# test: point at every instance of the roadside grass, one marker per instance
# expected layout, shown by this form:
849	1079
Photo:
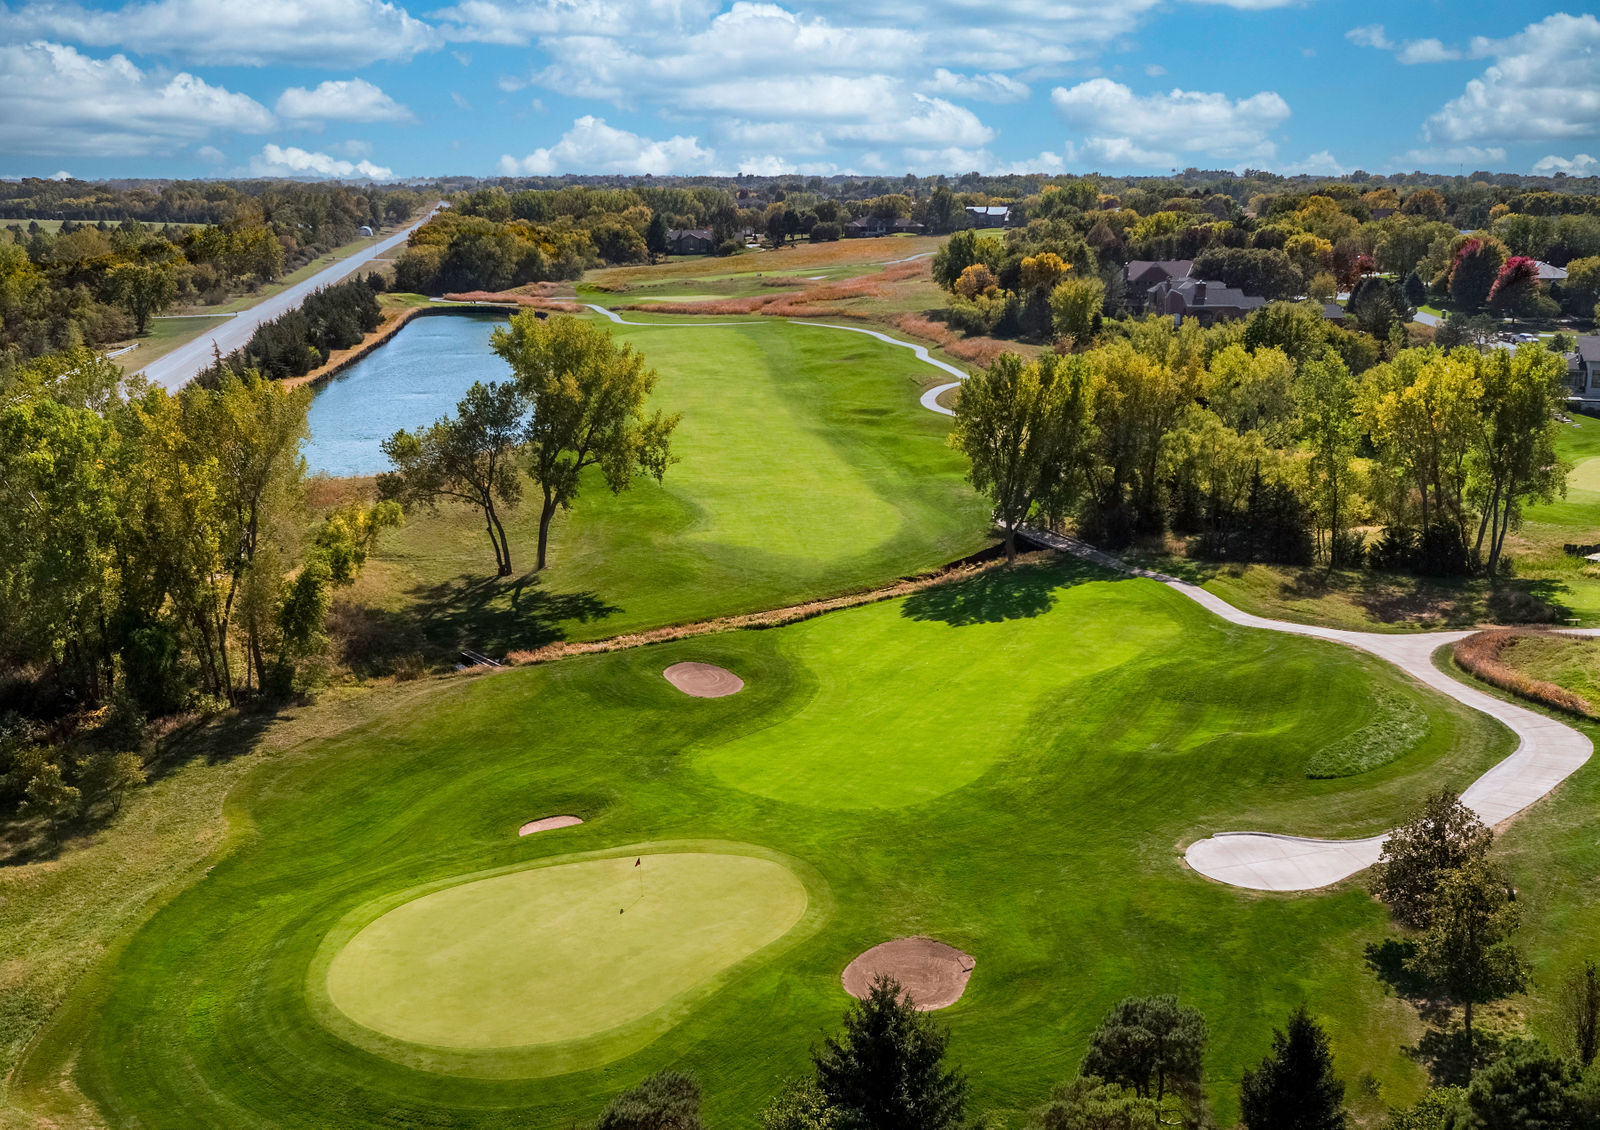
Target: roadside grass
1012	764
164	334
1569	662
806	468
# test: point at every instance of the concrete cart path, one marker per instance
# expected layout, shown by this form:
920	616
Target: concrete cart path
1547	753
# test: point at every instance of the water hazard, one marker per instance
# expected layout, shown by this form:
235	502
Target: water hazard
413	379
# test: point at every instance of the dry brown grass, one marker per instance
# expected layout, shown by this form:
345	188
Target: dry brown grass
517	298
771	618
979	350
1480	654
809	302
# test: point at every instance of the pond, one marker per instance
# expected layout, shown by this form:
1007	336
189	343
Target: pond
413	379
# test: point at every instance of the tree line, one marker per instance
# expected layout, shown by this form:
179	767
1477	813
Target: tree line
1258	442
294	343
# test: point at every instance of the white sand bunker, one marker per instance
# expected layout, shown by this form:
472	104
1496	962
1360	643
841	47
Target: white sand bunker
703	680
547	824
931	973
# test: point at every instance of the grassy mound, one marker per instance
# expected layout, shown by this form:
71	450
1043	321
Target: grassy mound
1073	755
1395	724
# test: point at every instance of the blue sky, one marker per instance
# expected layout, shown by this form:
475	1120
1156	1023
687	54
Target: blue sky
353	88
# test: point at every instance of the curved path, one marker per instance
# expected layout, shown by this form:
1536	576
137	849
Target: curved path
1547	753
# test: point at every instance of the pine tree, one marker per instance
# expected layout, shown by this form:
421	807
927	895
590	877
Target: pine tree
1295	1087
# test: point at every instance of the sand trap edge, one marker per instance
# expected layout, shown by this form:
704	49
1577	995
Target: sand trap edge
703	680
934	975
547	824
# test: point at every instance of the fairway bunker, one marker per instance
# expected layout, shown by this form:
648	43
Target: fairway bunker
931	973
703	680
548	824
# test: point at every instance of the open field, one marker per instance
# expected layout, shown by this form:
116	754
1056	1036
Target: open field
983	763
806	468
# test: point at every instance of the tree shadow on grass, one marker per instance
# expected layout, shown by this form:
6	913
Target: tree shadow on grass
1015	592
1442	1052
495	615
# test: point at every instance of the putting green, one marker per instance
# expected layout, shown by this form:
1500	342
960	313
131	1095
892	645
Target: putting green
543	956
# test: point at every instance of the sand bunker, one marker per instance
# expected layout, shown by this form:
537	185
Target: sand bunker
547	823
931	973
703	680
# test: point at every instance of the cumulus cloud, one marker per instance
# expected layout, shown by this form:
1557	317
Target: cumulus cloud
352	100
1369	35
291	161
992	87
342	33
1409	52
1544	84
1125	129
55	100
591	146
1320	164
210	154
1581	165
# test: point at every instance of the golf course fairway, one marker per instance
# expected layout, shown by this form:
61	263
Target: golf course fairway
549	954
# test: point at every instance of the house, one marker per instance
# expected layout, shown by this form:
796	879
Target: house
1141	274
1583	369
1549	273
989	215
1209	302
867	226
690	241
1333	312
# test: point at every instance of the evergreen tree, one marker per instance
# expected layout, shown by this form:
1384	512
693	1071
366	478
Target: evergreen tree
1295	1087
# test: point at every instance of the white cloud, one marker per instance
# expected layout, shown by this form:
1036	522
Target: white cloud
1320	164
591	146
1369	35
290	161
1154	70
992	87
1544	83
1581	165
1426	51
1475	156
460	100
1153	130
340	33
351	100
59	175
55	100
210	154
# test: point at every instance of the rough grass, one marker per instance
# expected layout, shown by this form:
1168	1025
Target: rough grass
1514	661
1011	764
1396	724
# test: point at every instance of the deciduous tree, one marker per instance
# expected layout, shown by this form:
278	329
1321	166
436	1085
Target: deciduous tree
1153	1044
1444	835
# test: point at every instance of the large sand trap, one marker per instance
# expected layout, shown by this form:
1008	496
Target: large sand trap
547	824
931	973
703	680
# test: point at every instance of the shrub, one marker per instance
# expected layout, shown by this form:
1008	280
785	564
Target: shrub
1480	654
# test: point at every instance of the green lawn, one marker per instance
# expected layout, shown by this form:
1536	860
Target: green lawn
1012	765
805	468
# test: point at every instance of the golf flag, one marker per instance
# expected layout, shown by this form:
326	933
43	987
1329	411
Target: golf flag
638	861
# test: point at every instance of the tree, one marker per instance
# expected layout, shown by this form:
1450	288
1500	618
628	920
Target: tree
1527	1089
1415	290
801	1106
1443	836
111	776
1137	401
1379	305
1152	1044
49	796
586	401
1517	460
655	236
1074	306
1473	271
975	281
961	251
1325	402
886	1070
1025	428
1580	1012
1466	952
470	458
142	289
1088	1103
1433	1111
1295	1087
667	1100
1425	202
1516	287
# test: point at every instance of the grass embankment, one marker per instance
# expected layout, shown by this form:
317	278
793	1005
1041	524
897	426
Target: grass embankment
805	469
1561	672
1011	764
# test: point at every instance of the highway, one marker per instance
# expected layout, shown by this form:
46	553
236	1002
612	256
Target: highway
179	367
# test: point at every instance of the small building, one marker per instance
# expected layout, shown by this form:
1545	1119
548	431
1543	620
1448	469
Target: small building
1583	369
1142	274
365	232
1549	273
690	241
869	226
1209	302
1333	312
989	215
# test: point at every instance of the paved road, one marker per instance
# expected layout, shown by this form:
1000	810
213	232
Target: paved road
179	367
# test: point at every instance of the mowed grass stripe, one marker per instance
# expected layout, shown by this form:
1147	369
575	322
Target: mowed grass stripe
1058	866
